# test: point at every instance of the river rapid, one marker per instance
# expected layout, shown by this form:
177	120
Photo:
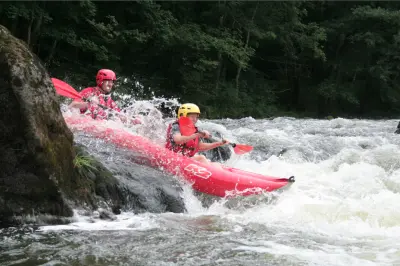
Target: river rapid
343	209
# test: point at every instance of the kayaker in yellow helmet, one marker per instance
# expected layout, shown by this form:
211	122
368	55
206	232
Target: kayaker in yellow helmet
184	137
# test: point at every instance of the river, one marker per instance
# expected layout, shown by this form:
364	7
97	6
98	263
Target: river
343	209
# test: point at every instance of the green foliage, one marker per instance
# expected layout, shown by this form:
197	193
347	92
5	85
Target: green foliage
232	58
84	164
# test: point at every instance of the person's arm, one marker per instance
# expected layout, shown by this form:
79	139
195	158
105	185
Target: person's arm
179	139
79	104
83	103
206	134
209	146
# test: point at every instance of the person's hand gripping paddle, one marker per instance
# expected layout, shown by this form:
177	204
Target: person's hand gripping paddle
187	128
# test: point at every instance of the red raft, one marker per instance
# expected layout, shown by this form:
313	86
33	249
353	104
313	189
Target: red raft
205	178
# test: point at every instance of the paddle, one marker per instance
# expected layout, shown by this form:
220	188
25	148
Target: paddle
66	90
187	128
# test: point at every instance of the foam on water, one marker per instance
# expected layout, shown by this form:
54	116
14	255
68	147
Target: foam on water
343	209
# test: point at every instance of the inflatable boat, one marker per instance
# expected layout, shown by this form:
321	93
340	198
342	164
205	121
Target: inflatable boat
206	178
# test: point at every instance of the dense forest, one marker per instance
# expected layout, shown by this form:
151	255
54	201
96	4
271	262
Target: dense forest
232	58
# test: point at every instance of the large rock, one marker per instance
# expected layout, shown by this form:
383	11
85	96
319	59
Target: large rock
36	145
40	180
126	185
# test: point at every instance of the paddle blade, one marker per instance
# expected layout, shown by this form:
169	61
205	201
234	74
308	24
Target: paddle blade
242	149
186	126
64	89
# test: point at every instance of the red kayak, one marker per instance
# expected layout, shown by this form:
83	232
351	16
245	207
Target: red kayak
206	178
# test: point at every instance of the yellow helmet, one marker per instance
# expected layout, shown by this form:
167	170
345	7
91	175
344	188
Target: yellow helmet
188	108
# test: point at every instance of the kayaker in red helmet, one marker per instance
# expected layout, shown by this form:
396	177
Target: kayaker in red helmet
99	102
180	142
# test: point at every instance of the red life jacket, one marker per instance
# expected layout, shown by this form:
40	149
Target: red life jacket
188	149
97	112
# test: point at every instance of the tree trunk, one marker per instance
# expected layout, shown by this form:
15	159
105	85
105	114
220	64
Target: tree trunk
218	71
239	70
51	54
36	30
14	27
28	37
219	56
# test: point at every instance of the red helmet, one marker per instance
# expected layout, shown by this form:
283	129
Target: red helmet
105	74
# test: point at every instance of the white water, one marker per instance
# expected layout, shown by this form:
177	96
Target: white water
343	209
